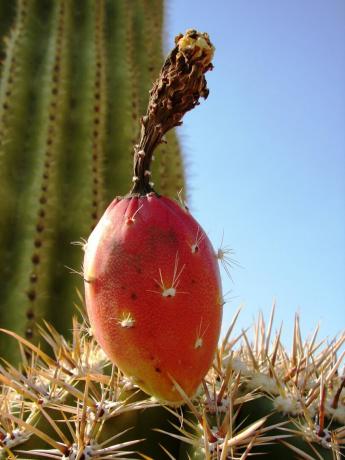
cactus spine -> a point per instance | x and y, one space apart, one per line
257 398
74 81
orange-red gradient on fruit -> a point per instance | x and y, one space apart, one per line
153 294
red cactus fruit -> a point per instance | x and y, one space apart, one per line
154 295
152 283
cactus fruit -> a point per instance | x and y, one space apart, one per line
152 282
74 79
154 301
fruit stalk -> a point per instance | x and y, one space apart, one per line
177 90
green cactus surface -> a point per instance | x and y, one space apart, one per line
75 78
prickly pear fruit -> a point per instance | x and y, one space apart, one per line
154 294
152 283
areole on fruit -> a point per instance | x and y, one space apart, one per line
152 283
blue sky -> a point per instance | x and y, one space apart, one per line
266 153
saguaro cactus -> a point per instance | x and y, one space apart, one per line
74 81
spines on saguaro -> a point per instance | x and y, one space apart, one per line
72 90
122 96
37 204
82 154
13 100
20 117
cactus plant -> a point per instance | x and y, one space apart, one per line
72 403
261 399
74 81
256 398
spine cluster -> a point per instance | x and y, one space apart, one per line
257 398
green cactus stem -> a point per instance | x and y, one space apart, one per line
74 82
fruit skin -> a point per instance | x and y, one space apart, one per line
142 249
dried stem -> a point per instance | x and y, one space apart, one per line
177 90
